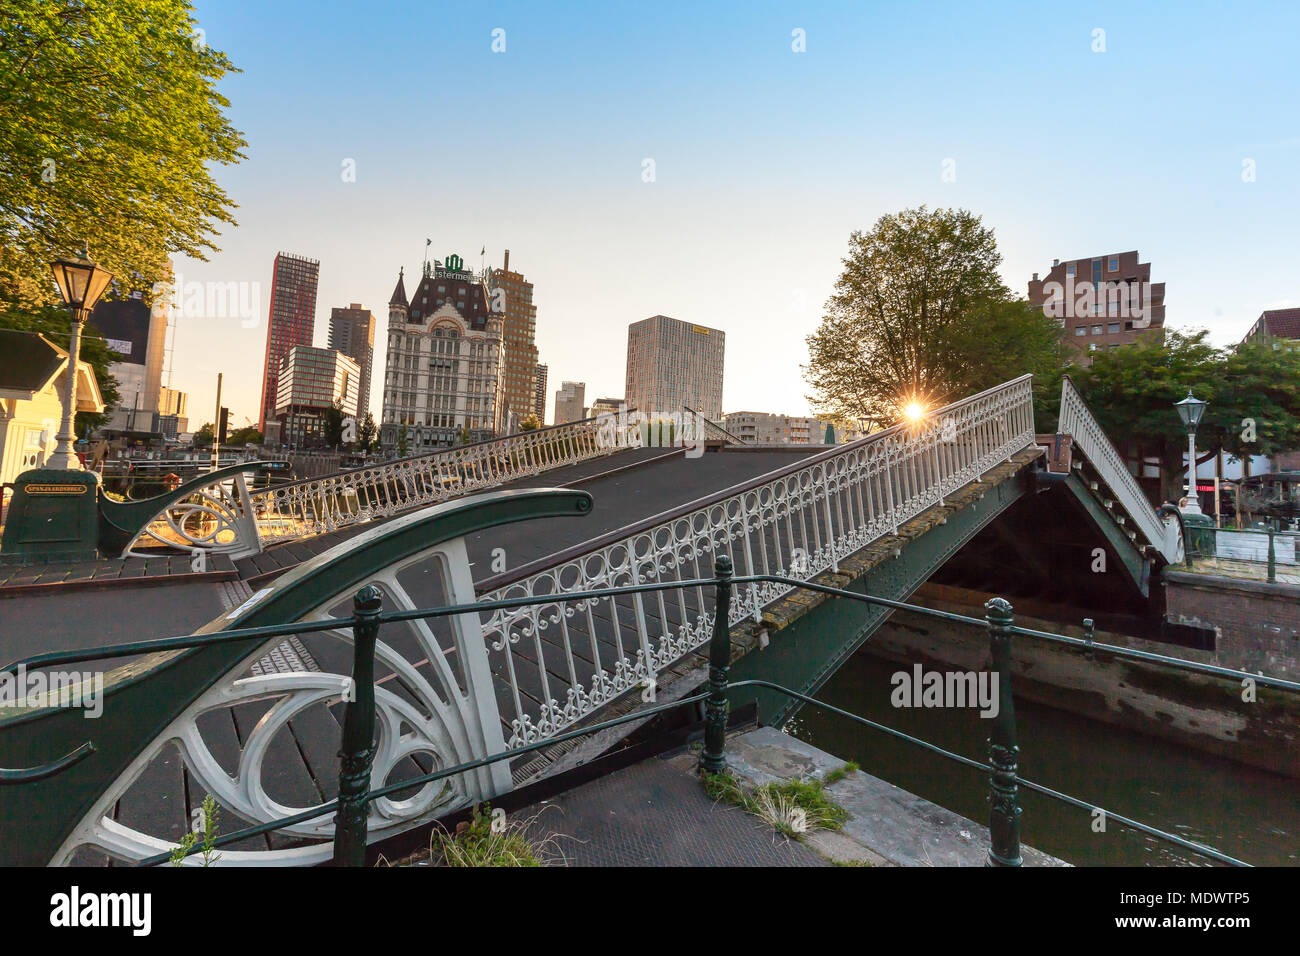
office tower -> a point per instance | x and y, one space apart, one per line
309 382
569 401
352 332
511 292
291 321
539 406
671 364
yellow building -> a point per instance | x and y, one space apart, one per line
33 381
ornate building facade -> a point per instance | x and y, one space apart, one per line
442 376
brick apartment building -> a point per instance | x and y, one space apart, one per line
1102 302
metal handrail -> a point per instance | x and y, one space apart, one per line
1077 421
356 793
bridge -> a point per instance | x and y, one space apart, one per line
631 519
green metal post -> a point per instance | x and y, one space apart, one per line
1272 557
358 751
1004 814
715 707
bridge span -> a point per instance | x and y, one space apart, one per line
257 724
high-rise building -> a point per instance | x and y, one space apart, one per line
352 332
1101 302
442 377
569 401
539 400
513 293
139 335
291 322
671 364
605 406
309 382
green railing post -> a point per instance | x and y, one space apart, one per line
1004 812
358 749
715 708
1272 557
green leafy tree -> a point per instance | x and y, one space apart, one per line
110 124
1253 393
204 436
530 424
245 436
366 433
403 446
334 424
920 314
56 325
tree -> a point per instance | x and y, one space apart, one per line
245 436
530 424
402 446
204 435
334 424
367 432
109 124
920 314
1253 393
56 325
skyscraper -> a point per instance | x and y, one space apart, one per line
569 402
671 363
291 322
352 332
512 292
539 408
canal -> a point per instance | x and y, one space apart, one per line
1250 814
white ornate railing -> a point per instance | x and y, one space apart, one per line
1089 437
226 517
562 661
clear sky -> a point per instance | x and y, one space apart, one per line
765 160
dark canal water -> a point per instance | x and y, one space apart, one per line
1249 814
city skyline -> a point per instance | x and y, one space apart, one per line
604 248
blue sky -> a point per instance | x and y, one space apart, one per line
765 160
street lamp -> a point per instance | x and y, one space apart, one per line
81 283
1190 410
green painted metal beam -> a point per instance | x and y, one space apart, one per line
141 699
805 654
1134 564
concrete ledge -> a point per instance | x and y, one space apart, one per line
886 824
1220 582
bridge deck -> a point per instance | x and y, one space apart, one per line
303 764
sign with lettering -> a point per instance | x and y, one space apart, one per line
700 329
453 263
55 489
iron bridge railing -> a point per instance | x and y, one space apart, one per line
358 732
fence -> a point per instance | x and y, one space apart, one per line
1260 554
802 519
356 793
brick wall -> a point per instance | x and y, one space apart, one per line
1257 624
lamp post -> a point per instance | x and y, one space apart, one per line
80 283
1190 410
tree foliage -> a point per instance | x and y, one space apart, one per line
530 423
109 123
366 433
920 314
1132 392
